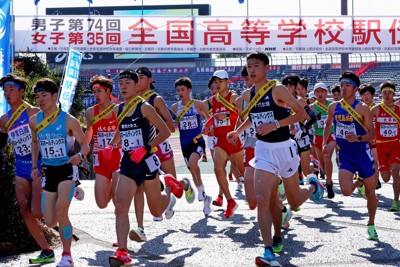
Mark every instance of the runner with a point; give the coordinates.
(140, 130)
(336, 95)
(249, 142)
(320, 108)
(387, 120)
(50, 128)
(101, 124)
(300, 131)
(275, 153)
(353, 131)
(28, 192)
(367, 93)
(189, 114)
(223, 121)
(164, 150)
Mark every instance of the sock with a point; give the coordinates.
(200, 189)
(277, 239)
(64, 253)
(284, 209)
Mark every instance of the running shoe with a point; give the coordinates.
(157, 219)
(207, 205)
(277, 245)
(137, 235)
(361, 189)
(267, 258)
(319, 192)
(395, 206)
(372, 235)
(286, 216)
(66, 261)
(176, 187)
(169, 212)
(218, 202)
(239, 187)
(281, 191)
(120, 258)
(45, 256)
(79, 194)
(230, 209)
(190, 194)
(329, 189)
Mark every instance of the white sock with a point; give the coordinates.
(200, 191)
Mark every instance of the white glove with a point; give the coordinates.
(298, 134)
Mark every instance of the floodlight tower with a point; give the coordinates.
(344, 56)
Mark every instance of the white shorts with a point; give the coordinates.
(281, 158)
(211, 141)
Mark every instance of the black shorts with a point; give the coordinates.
(198, 148)
(52, 176)
(141, 171)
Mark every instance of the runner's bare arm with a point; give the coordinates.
(75, 128)
(162, 110)
(35, 148)
(89, 129)
(151, 115)
(283, 96)
(328, 124)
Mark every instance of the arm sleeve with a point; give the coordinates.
(3, 139)
(313, 117)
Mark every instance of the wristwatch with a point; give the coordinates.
(80, 155)
(359, 138)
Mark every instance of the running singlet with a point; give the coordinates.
(53, 140)
(21, 136)
(322, 117)
(267, 111)
(345, 123)
(387, 127)
(226, 125)
(135, 130)
(189, 126)
(103, 130)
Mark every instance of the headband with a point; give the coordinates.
(128, 75)
(12, 83)
(40, 89)
(349, 81)
(99, 86)
(388, 89)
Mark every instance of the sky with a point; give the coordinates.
(219, 7)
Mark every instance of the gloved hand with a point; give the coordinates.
(138, 154)
(107, 151)
(298, 135)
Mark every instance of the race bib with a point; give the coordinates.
(153, 163)
(251, 132)
(188, 123)
(165, 147)
(53, 148)
(21, 138)
(303, 142)
(321, 123)
(132, 139)
(104, 138)
(388, 130)
(224, 122)
(96, 160)
(211, 141)
(343, 129)
(262, 117)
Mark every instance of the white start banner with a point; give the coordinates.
(207, 34)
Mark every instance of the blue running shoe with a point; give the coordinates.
(319, 193)
(267, 258)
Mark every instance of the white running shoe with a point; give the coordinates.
(169, 212)
(66, 261)
(207, 205)
(137, 235)
(157, 219)
(286, 216)
(239, 187)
